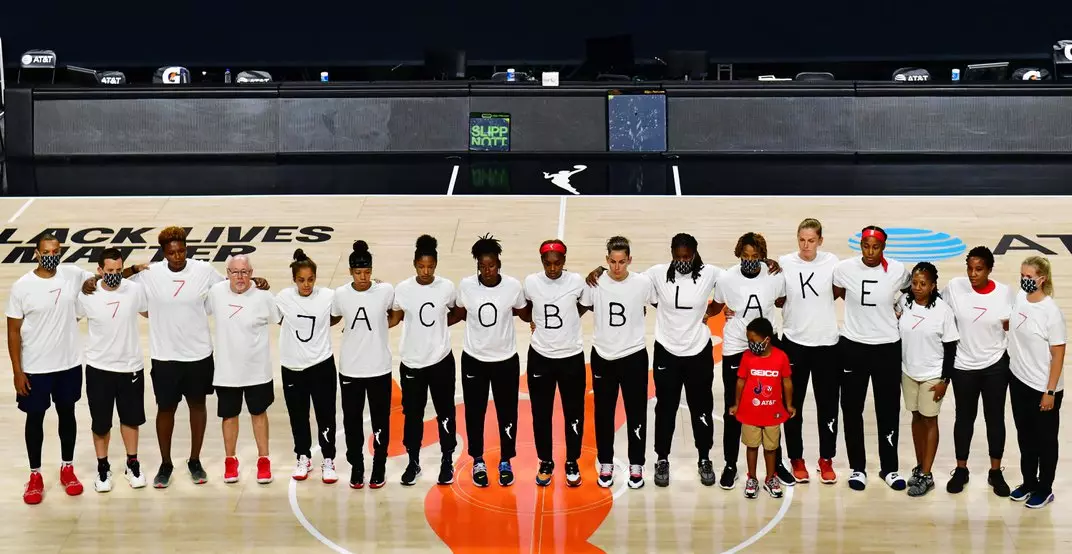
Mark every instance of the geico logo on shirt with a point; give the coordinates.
(764, 373)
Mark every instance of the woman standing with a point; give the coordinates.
(981, 307)
(308, 366)
(928, 346)
(870, 349)
(365, 365)
(1037, 337)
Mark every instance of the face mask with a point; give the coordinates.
(112, 280)
(750, 267)
(681, 267)
(1028, 285)
(757, 348)
(50, 263)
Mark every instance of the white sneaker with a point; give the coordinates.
(135, 482)
(636, 476)
(103, 486)
(606, 475)
(301, 471)
(327, 470)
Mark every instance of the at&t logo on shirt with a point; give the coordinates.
(910, 244)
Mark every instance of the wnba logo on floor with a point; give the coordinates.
(917, 245)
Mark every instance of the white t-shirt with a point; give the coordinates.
(679, 325)
(47, 308)
(870, 294)
(242, 357)
(178, 324)
(114, 344)
(1033, 328)
(366, 350)
(489, 320)
(425, 336)
(618, 307)
(923, 330)
(809, 317)
(749, 298)
(983, 340)
(304, 335)
(554, 311)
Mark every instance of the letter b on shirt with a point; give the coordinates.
(616, 312)
(551, 319)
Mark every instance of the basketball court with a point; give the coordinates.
(310, 516)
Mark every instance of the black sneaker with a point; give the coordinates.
(544, 474)
(573, 474)
(784, 475)
(506, 474)
(357, 477)
(729, 477)
(197, 473)
(960, 478)
(163, 476)
(413, 470)
(480, 474)
(446, 472)
(997, 481)
(662, 473)
(707, 473)
(379, 474)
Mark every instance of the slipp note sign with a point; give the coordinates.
(489, 132)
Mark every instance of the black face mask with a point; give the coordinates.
(50, 263)
(681, 267)
(112, 280)
(757, 348)
(1028, 285)
(750, 267)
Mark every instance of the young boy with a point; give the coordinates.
(764, 386)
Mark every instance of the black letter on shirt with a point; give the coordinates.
(677, 304)
(749, 306)
(312, 325)
(362, 315)
(864, 292)
(494, 314)
(620, 313)
(806, 283)
(547, 315)
(420, 314)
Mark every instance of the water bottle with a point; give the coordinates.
(510, 75)
(323, 76)
(227, 76)
(956, 75)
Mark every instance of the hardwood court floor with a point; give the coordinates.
(313, 517)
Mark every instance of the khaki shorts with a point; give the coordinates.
(751, 436)
(918, 396)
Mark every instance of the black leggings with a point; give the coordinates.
(695, 374)
(35, 434)
(1036, 432)
(438, 381)
(992, 384)
(502, 378)
(317, 384)
(819, 364)
(568, 375)
(879, 364)
(354, 392)
(630, 374)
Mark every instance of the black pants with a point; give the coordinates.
(731, 428)
(881, 365)
(820, 364)
(439, 379)
(502, 378)
(568, 374)
(696, 374)
(1036, 432)
(354, 392)
(968, 385)
(631, 375)
(315, 383)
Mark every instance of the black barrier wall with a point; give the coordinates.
(733, 118)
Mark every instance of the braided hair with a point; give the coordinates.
(931, 272)
(487, 245)
(685, 240)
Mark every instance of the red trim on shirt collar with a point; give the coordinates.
(987, 288)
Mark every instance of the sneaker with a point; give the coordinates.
(71, 485)
(327, 471)
(606, 475)
(917, 472)
(446, 472)
(506, 474)
(997, 482)
(163, 476)
(134, 475)
(957, 482)
(921, 485)
(773, 487)
(230, 469)
(379, 474)
(573, 474)
(800, 470)
(826, 471)
(707, 473)
(1020, 493)
(729, 478)
(35, 489)
(1038, 500)
(662, 473)
(302, 468)
(858, 480)
(264, 470)
(894, 481)
(103, 482)
(357, 477)
(197, 473)
(409, 476)
(751, 487)
(784, 475)
(543, 476)
(636, 476)
(480, 474)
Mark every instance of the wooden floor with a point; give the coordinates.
(312, 517)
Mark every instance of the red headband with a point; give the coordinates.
(553, 247)
(880, 236)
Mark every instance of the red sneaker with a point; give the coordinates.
(69, 481)
(35, 489)
(826, 471)
(800, 470)
(230, 469)
(264, 470)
